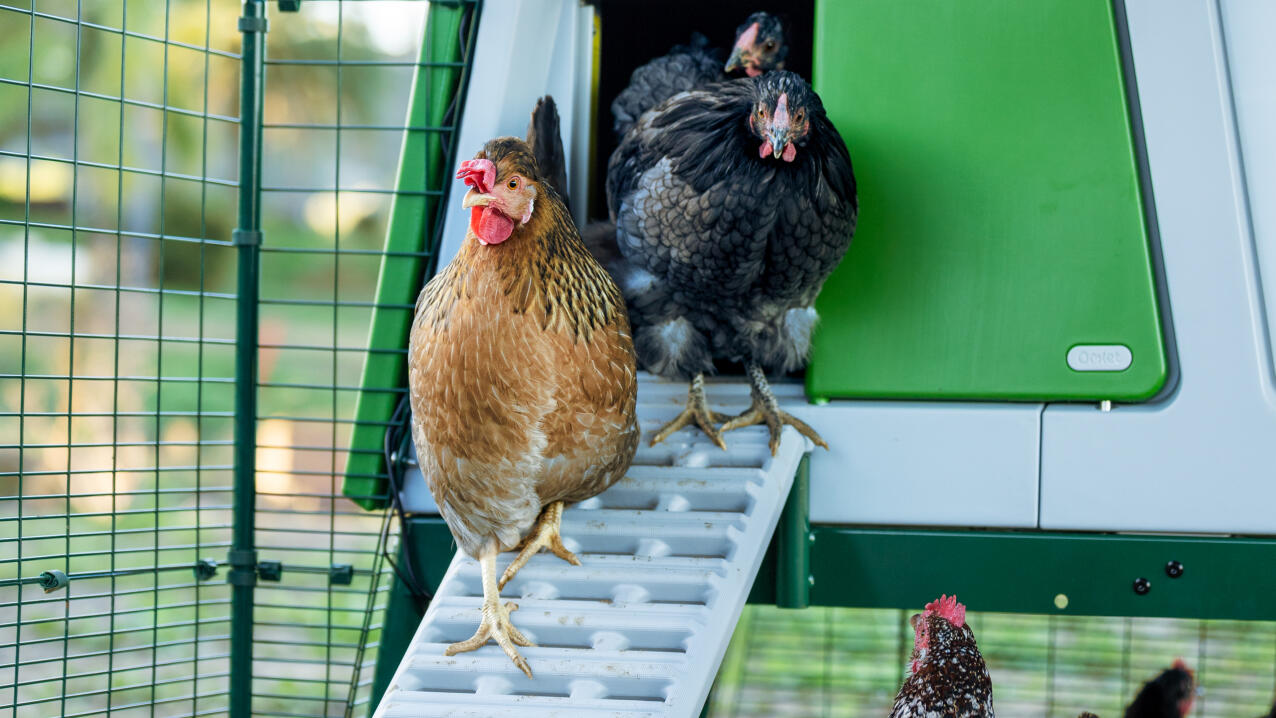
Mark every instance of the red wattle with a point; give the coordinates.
(489, 225)
(789, 152)
(752, 71)
(765, 150)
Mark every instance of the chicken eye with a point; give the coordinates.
(513, 183)
(770, 45)
(761, 113)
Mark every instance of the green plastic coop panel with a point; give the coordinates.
(1001, 222)
(421, 178)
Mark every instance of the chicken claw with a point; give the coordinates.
(697, 412)
(765, 410)
(545, 535)
(496, 623)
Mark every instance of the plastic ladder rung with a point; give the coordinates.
(668, 557)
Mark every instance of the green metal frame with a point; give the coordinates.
(411, 238)
(247, 236)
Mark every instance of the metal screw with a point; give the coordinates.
(1142, 586)
(1173, 569)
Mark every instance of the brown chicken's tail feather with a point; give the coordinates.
(546, 141)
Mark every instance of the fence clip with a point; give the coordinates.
(270, 570)
(205, 568)
(253, 24)
(51, 581)
(341, 574)
(245, 237)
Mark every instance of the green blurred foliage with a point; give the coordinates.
(179, 124)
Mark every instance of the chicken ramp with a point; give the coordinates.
(668, 556)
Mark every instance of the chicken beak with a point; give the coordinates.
(779, 139)
(740, 53)
(474, 198)
(736, 61)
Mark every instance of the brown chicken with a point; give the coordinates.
(947, 676)
(522, 377)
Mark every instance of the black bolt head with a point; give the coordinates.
(1173, 569)
(1142, 586)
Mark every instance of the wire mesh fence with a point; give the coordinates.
(119, 177)
(844, 662)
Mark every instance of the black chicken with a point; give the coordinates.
(760, 46)
(1168, 695)
(732, 205)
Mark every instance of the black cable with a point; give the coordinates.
(394, 448)
(463, 33)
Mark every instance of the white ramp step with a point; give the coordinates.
(669, 554)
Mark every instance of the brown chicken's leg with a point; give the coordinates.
(545, 535)
(766, 410)
(697, 412)
(496, 617)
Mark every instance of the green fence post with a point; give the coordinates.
(247, 239)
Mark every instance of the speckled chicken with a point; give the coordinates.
(732, 204)
(1168, 695)
(760, 46)
(947, 676)
(522, 377)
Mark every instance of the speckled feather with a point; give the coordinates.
(685, 67)
(719, 245)
(949, 678)
(522, 374)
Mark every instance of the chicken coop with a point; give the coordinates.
(1044, 368)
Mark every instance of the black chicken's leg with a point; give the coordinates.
(697, 412)
(765, 410)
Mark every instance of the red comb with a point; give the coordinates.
(947, 607)
(1180, 664)
(479, 174)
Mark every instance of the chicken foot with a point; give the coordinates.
(766, 410)
(545, 535)
(697, 412)
(496, 617)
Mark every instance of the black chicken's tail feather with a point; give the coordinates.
(546, 141)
